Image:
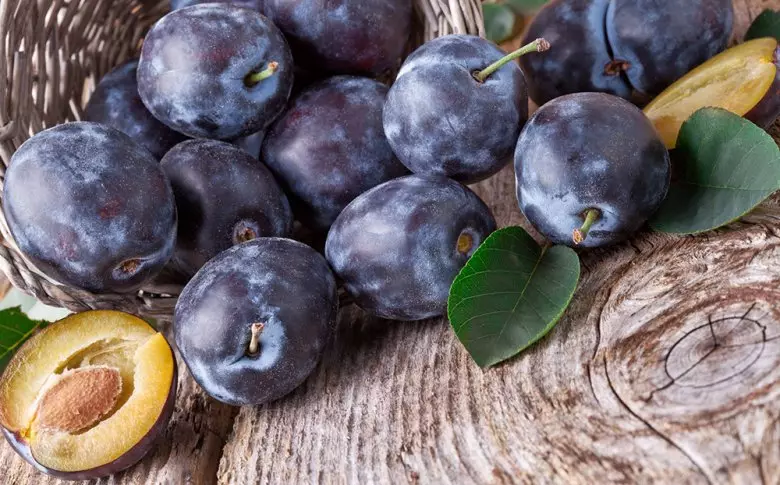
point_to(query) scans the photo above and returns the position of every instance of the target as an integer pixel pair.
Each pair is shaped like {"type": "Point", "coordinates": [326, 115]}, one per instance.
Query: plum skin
{"type": "Point", "coordinates": [396, 246]}
{"type": "Point", "coordinates": [253, 4]}
{"type": "Point", "coordinates": [116, 103]}
{"type": "Point", "coordinates": [90, 208]}
{"type": "Point", "coordinates": [283, 284]}
{"type": "Point", "coordinates": [768, 109]}
{"type": "Point", "coordinates": [194, 68]}
{"type": "Point", "coordinates": [127, 460]}
{"type": "Point", "coordinates": [329, 147]}
{"type": "Point", "coordinates": [630, 48]}
{"type": "Point", "coordinates": [440, 120]}
{"type": "Point", "coordinates": [590, 151]}
{"type": "Point", "coordinates": [223, 196]}
{"type": "Point", "coordinates": [344, 37]}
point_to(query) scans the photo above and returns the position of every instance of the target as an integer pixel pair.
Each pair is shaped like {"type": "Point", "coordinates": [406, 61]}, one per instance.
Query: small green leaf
{"type": "Point", "coordinates": [499, 22]}
{"type": "Point", "coordinates": [15, 329]}
{"type": "Point", "coordinates": [766, 25]}
{"type": "Point", "coordinates": [726, 166]}
{"type": "Point", "coordinates": [510, 294]}
{"type": "Point", "coordinates": [525, 6]}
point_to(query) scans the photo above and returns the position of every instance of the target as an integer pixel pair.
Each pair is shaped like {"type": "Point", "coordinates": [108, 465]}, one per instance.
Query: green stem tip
{"type": "Point", "coordinates": [539, 45]}
{"type": "Point", "coordinates": [256, 77]}
{"type": "Point", "coordinates": [591, 216]}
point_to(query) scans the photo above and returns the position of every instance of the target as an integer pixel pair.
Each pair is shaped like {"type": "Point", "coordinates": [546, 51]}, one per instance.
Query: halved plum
{"type": "Point", "coordinates": [88, 396]}
{"type": "Point", "coordinates": [743, 80]}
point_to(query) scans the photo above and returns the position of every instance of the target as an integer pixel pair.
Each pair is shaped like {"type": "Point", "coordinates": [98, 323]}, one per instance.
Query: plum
{"type": "Point", "coordinates": [345, 36]}
{"type": "Point", "coordinates": [630, 48]}
{"type": "Point", "coordinates": [399, 246]}
{"type": "Point", "coordinates": [88, 396]}
{"type": "Point", "coordinates": [253, 323]}
{"type": "Point", "coordinates": [215, 71]}
{"type": "Point", "coordinates": [116, 103]}
{"type": "Point", "coordinates": [253, 4]}
{"type": "Point", "coordinates": [590, 169]}
{"type": "Point", "coordinates": [90, 208]}
{"type": "Point", "coordinates": [224, 197]}
{"type": "Point", "coordinates": [252, 144]}
{"type": "Point", "coordinates": [443, 119]}
{"type": "Point", "coordinates": [329, 147]}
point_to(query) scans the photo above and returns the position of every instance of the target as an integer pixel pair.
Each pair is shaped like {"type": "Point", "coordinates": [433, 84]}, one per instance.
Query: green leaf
{"type": "Point", "coordinates": [525, 6]}
{"type": "Point", "coordinates": [499, 22]}
{"type": "Point", "coordinates": [510, 294]}
{"type": "Point", "coordinates": [726, 166]}
{"type": "Point", "coordinates": [15, 329]}
{"type": "Point", "coordinates": [766, 25]}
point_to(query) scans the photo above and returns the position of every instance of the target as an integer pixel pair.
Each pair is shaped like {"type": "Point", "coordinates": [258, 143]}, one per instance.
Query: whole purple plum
{"type": "Point", "coordinates": [345, 36]}
{"type": "Point", "coordinates": [630, 48]}
{"type": "Point", "coordinates": [215, 71]}
{"type": "Point", "coordinates": [116, 103]}
{"type": "Point", "coordinates": [441, 120]}
{"type": "Point", "coordinates": [224, 197]}
{"type": "Point", "coordinates": [253, 4]}
{"type": "Point", "coordinates": [253, 323]}
{"type": "Point", "coordinates": [399, 246]}
{"type": "Point", "coordinates": [90, 207]}
{"type": "Point", "coordinates": [329, 147]}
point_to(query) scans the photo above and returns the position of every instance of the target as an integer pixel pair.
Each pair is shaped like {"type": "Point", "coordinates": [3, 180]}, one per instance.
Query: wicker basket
{"type": "Point", "coordinates": [52, 54]}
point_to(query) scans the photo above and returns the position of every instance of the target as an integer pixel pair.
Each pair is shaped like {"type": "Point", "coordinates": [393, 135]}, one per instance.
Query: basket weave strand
{"type": "Point", "coordinates": [52, 54]}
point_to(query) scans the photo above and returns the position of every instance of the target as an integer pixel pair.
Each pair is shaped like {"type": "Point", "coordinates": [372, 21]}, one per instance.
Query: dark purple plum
{"type": "Point", "coordinates": [253, 323]}
{"type": "Point", "coordinates": [329, 147]}
{"type": "Point", "coordinates": [345, 36]}
{"type": "Point", "coordinates": [441, 120]}
{"type": "Point", "coordinates": [591, 169]}
{"type": "Point", "coordinates": [253, 4]}
{"type": "Point", "coordinates": [252, 144]}
{"type": "Point", "coordinates": [399, 246]}
{"type": "Point", "coordinates": [116, 103]}
{"type": "Point", "coordinates": [90, 207]}
{"type": "Point", "coordinates": [215, 71]}
{"type": "Point", "coordinates": [630, 48]}
{"type": "Point", "coordinates": [224, 197]}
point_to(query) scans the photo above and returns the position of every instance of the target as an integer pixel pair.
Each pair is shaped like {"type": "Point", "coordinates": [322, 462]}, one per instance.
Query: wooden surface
{"type": "Point", "coordinates": [665, 369]}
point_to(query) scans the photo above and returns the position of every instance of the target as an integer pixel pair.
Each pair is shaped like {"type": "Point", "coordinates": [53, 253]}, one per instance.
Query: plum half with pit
{"type": "Point", "coordinates": [629, 48]}
{"type": "Point", "coordinates": [253, 323]}
{"type": "Point", "coordinates": [399, 246]}
{"type": "Point", "coordinates": [344, 36]}
{"type": "Point", "coordinates": [590, 169]}
{"type": "Point", "coordinates": [215, 71]}
{"type": "Point", "coordinates": [224, 197]}
{"type": "Point", "coordinates": [253, 4]}
{"type": "Point", "coordinates": [329, 147]}
{"type": "Point", "coordinates": [116, 103]}
{"type": "Point", "coordinates": [457, 108]}
{"type": "Point", "coordinates": [88, 396]}
{"type": "Point", "coordinates": [90, 208]}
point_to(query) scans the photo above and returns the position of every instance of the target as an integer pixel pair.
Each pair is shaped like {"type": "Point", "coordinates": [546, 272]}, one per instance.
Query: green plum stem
{"type": "Point", "coordinates": [539, 45]}
{"type": "Point", "coordinates": [591, 216]}
{"type": "Point", "coordinates": [254, 343]}
{"type": "Point", "coordinates": [257, 77]}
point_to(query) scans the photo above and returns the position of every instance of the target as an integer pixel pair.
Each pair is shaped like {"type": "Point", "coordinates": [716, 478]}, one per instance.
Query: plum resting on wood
{"type": "Point", "coordinates": [224, 197]}
{"type": "Point", "coordinates": [215, 71]}
{"type": "Point", "coordinates": [591, 169]}
{"type": "Point", "coordinates": [116, 103]}
{"type": "Point", "coordinates": [90, 208]}
{"type": "Point", "coordinates": [399, 246]}
{"type": "Point", "coordinates": [329, 147]}
{"type": "Point", "coordinates": [629, 48]}
{"type": "Point", "coordinates": [253, 323]}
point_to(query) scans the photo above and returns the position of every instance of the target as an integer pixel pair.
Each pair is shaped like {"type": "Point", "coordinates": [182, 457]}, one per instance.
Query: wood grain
{"type": "Point", "coordinates": [665, 369]}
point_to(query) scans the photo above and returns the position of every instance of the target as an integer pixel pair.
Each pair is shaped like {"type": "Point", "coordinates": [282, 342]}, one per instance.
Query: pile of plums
{"type": "Point", "coordinates": [197, 159]}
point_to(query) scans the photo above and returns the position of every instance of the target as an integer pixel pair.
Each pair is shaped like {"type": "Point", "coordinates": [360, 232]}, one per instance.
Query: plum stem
{"type": "Point", "coordinates": [591, 216]}
{"type": "Point", "coordinates": [539, 45]}
{"type": "Point", "coordinates": [256, 77]}
{"type": "Point", "coordinates": [254, 342]}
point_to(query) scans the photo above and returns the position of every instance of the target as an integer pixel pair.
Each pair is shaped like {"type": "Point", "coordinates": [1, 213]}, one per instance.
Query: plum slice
{"type": "Point", "coordinates": [741, 79]}
{"type": "Point", "coordinates": [88, 396]}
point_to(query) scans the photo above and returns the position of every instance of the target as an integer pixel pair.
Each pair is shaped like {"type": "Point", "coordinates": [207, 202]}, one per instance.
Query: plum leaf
{"type": "Point", "coordinates": [499, 22]}
{"type": "Point", "coordinates": [15, 329]}
{"type": "Point", "coordinates": [510, 294]}
{"type": "Point", "coordinates": [725, 167]}
{"type": "Point", "coordinates": [766, 25]}
{"type": "Point", "coordinates": [525, 6]}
